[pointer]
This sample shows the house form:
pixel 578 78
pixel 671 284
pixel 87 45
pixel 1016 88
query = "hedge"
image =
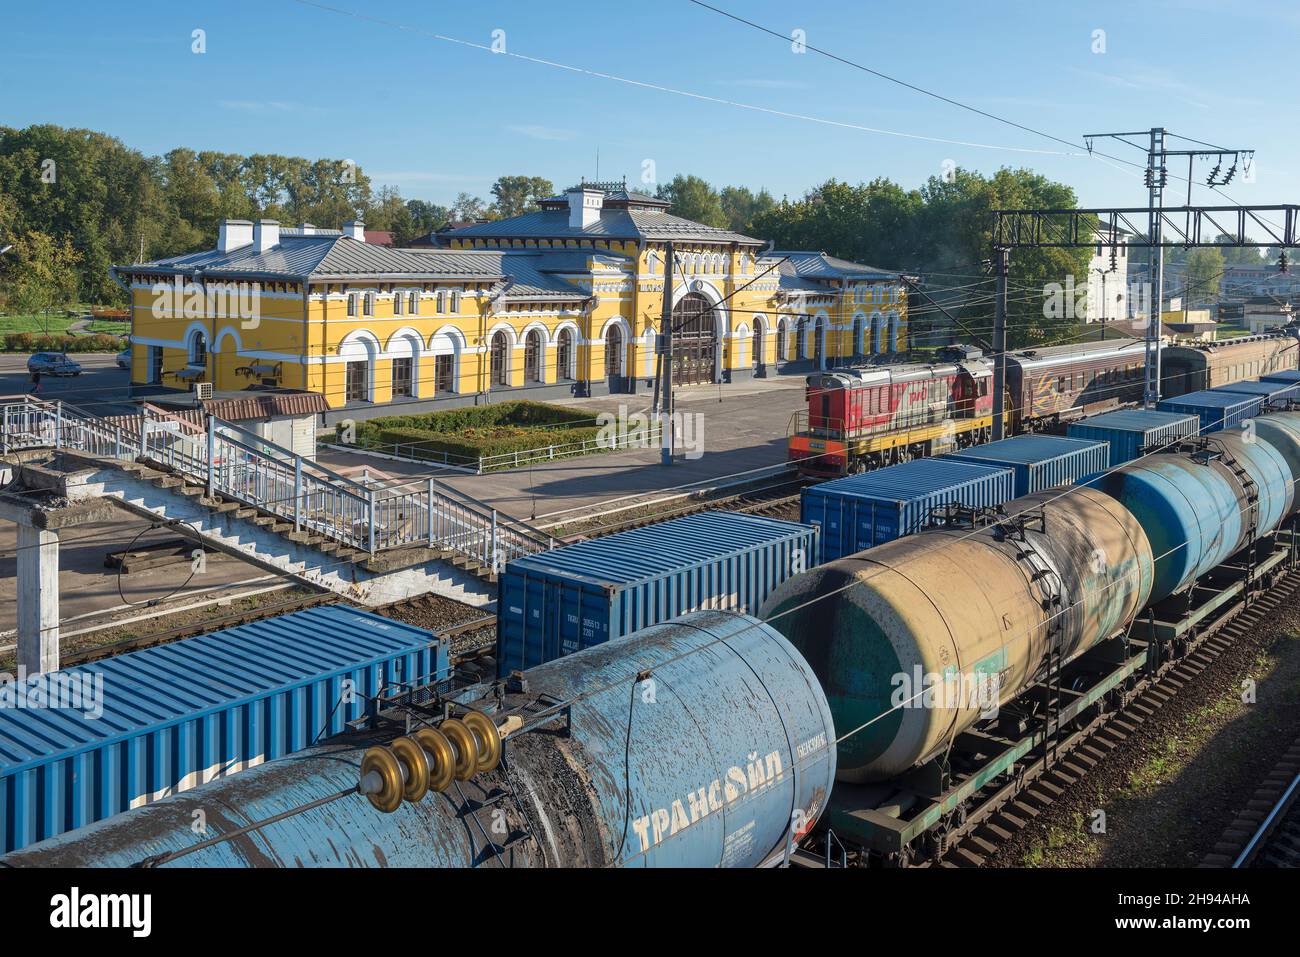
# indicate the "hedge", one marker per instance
pixel 517 414
pixel 35 342
pixel 465 436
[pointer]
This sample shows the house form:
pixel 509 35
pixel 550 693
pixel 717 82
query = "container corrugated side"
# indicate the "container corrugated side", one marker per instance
pixel 554 603
pixel 860 511
pixel 1041 461
pixel 142 725
pixel 1217 410
pixel 1136 432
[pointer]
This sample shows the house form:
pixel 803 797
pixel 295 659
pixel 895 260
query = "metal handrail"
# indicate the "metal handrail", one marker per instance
pixel 239 465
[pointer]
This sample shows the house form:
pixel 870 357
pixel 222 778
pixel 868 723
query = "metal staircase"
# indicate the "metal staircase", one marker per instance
pixel 229 468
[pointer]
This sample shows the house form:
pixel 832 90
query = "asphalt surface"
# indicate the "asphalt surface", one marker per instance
pixel 743 434
pixel 101 389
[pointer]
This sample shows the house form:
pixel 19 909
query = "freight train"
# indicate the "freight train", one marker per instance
pixel 701 742
pixel 878 695
pixel 859 419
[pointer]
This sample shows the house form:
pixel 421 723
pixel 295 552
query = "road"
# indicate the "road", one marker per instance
pixel 100 389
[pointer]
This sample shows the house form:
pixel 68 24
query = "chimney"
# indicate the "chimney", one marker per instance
pixel 584 206
pixel 233 233
pixel 307 229
pixel 266 235
pixel 355 229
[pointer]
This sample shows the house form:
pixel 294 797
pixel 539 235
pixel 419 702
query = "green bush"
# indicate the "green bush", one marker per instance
pixel 514 414
pixel 464 436
pixel 37 342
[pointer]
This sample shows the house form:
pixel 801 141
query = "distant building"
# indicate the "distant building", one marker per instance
pixel 379 237
pixel 564 301
pixel 1108 280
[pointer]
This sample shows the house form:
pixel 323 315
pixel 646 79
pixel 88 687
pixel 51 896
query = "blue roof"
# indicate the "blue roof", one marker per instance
pixel 1026 449
pixel 645 553
pixel 1134 420
pixel 1269 390
pixel 177 681
pixel 1210 398
pixel 908 481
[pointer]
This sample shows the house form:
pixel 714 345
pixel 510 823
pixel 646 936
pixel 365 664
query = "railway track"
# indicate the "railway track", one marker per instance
pixel 87 655
pixel 1266 833
pixel 774 499
pixel 1000 815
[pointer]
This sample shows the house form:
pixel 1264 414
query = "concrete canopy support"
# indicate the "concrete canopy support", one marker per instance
pixel 38 599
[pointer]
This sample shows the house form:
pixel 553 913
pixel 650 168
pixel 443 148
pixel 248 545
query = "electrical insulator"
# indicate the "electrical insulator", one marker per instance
pixel 1283 262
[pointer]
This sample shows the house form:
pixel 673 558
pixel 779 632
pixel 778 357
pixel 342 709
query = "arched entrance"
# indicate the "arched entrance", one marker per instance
pixel 614 359
pixel 695 340
pixel 819 343
pixel 533 357
pixel 500 359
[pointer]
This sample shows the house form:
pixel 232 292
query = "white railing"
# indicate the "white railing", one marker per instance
pixel 239 465
pixel 647 437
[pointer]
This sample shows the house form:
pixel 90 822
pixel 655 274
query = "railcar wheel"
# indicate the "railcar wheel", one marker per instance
pixel 442 757
pixel 417 768
pixel 487 738
pixel 462 739
pixel 382 761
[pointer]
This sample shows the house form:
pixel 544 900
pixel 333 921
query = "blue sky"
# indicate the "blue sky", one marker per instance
pixel 435 117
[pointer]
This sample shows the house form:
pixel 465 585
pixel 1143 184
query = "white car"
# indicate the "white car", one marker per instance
pixel 124 359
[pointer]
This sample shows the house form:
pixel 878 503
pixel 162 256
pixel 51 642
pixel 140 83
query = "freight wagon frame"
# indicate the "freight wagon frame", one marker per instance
pixel 918 818
pixel 829 457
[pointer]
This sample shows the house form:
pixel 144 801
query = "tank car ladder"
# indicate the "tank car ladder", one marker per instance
pixel 1053 603
pixel 1251 490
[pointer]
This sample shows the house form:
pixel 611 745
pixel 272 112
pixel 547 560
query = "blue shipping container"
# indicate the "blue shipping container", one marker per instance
pixel 1216 410
pixel 1133 433
pixel 860 511
pixel 88 742
pixel 1041 461
pixel 1273 393
pixel 554 603
pixel 1282 375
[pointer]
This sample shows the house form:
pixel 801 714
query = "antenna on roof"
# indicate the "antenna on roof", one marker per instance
pixel 597 162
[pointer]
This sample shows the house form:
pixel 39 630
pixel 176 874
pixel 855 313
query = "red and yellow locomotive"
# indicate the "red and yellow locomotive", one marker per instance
pixel 860 419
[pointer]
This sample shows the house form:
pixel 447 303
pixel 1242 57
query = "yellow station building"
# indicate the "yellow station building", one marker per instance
pixel 567 300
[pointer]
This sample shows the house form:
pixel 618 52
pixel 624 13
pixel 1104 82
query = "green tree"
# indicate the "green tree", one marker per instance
pixel 742 207
pixel 43 275
pixel 516 195
pixel 467 206
pixel 692 198
pixel 426 217
pixel 1203 275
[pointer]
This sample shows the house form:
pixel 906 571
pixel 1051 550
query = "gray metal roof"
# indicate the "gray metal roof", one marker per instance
pixel 810 264
pixel 327 257
pixel 613 224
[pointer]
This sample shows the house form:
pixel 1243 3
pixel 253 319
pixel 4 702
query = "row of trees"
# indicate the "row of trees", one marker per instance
pixel 74 202
pixel 941 230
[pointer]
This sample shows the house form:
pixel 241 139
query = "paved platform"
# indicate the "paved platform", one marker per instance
pixel 744 431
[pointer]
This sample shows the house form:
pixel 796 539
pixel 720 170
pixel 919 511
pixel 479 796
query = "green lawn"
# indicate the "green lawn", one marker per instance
pixel 109 327
pixel 57 323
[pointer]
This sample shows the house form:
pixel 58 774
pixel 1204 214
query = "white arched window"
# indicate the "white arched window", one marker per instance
pixel 198 348
pixel 534 356
pixel 565 355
